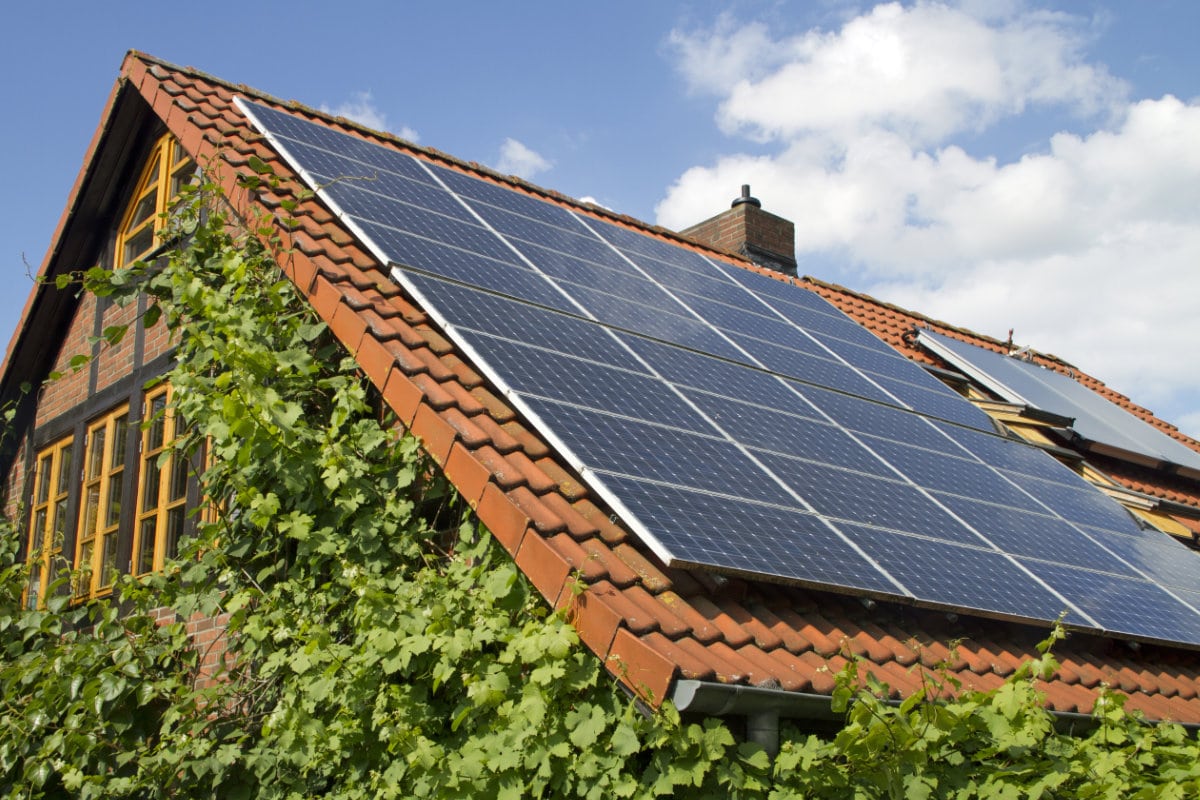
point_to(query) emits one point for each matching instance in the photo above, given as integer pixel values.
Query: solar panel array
(1095, 418)
(738, 422)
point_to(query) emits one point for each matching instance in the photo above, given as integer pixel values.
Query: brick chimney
(760, 236)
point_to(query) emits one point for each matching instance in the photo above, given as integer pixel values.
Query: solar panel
(737, 422)
(1094, 418)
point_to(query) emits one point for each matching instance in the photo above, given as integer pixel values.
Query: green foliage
(377, 650)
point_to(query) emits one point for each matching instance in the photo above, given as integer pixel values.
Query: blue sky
(995, 164)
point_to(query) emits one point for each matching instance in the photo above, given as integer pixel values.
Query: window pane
(108, 562)
(138, 244)
(90, 511)
(150, 479)
(145, 557)
(39, 530)
(144, 210)
(181, 178)
(83, 585)
(112, 514)
(43, 477)
(175, 519)
(179, 477)
(120, 441)
(64, 470)
(96, 453)
(156, 435)
(60, 524)
(34, 590)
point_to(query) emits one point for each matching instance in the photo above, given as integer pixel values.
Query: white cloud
(927, 72)
(731, 53)
(517, 159)
(361, 108)
(1088, 248)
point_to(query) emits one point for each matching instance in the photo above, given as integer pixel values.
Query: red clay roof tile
(617, 570)
(542, 517)
(642, 665)
(668, 622)
(545, 566)
(691, 663)
(577, 525)
(649, 574)
(594, 615)
(469, 474)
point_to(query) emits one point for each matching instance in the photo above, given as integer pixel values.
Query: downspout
(763, 708)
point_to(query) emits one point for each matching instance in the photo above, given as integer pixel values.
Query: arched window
(168, 169)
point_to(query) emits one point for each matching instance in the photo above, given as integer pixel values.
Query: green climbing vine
(381, 645)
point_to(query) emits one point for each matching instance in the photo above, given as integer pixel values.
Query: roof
(650, 624)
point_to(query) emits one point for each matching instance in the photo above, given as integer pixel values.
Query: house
(714, 640)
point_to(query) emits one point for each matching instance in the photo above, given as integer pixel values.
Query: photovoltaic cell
(344, 186)
(828, 323)
(654, 453)
(1123, 605)
(1161, 560)
(938, 402)
(753, 323)
(847, 495)
(810, 369)
(1081, 504)
(410, 250)
(590, 385)
(1034, 534)
(1010, 455)
(784, 543)
(780, 432)
(632, 290)
(509, 200)
(654, 322)
(297, 129)
(737, 421)
(691, 285)
(518, 321)
(877, 362)
(953, 475)
(630, 242)
(877, 419)
(715, 375)
(964, 577)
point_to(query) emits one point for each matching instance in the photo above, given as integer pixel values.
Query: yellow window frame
(101, 502)
(48, 518)
(168, 169)
(163, 486)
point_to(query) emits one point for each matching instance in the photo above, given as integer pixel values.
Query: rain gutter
(763, 708)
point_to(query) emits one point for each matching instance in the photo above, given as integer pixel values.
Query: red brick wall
(14, 486)
(209, 637)
(156, 341)
(114, 362)
(58, 397)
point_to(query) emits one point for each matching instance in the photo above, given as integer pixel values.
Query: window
(168, 170)
(105, 449)
(162, 493)
(132, 491)
(123, 505)
(48, 519)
